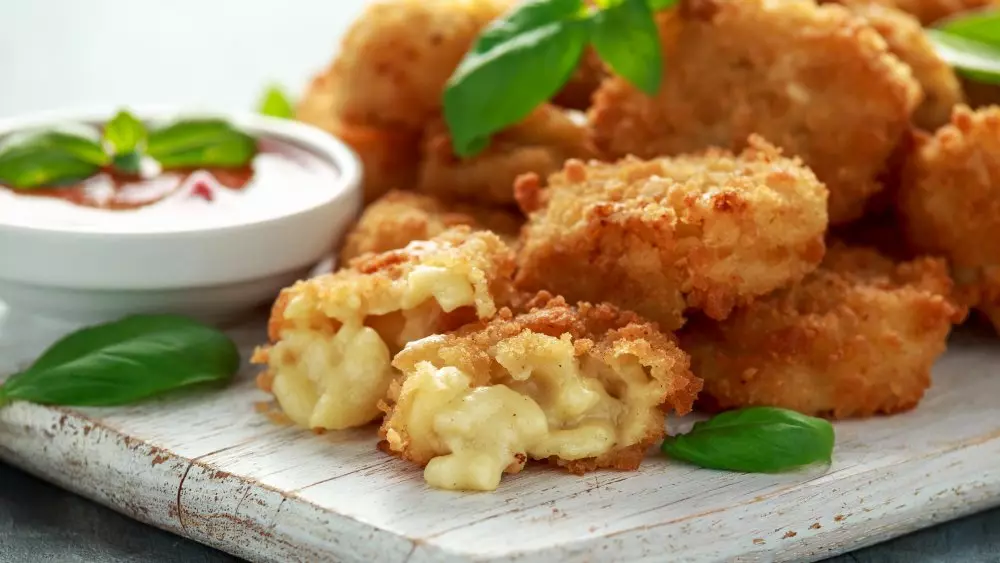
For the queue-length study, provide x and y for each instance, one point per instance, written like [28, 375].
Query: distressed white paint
[209, 467]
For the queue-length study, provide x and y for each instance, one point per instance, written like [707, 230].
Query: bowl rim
[332, 150]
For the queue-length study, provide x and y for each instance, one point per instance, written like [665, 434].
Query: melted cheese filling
[336, 382]
[548, 406]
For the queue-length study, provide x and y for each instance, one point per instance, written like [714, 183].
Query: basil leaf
[657, 5]
[754, 440]
[125, 361]
[48, 160]
[125, 133]
[982, 26]
[276, 104]
[973, 59]
[203, 142]
[626, 38]
[130, 162]
[518, 62]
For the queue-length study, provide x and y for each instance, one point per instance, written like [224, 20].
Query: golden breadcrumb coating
[930, 11]
[582, 387]
[576, 94]
[398, 218]
[390, 156]
[333, 336]
[856, 338]
[541, 143]
[706, 231]
[397, 56]
[815, 80]
[906, 39]
[949, 202]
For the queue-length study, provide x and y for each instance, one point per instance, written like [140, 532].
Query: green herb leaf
[129, 163]
[657, 5]
[973, 59]
[126, 361]
[49, 159]
[518, 62]
[626, 38]
[754, 440]
[204, 142]
[276, 104]
[982, 26]
[125, 133]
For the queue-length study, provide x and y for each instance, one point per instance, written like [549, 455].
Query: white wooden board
[210, 467]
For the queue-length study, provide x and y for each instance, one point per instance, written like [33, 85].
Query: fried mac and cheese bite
[399, 218]
[816, 81]
[333, 336]
[930, 11]
[706, 231]
[949, 202]
[856, 338]
[581, 387]
[541, 143]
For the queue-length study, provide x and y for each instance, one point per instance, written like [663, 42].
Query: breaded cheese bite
[855, 338]
[930, 11]
[333, 336]
[949, 202]
[706, 231]
[816, 81]
[906, 39]
[397, 56]
[541, 143]
[399, 218]
[581, 387]
[389, 156]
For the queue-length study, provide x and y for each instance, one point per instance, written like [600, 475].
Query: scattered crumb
[815, 526]
[838, 518]
[789, 534]
[758, 541]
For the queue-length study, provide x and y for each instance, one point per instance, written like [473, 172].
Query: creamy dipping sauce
[282, 179]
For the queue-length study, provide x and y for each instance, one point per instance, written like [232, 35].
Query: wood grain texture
[209, 467]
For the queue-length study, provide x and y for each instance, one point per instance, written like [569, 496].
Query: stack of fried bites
[796, 219]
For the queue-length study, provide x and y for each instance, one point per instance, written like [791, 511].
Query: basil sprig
[971, 44]
[125, 135]
[522, 59]
[125, 361]
[276, 103]
[49, 159]
[754, 440]
[200, 142]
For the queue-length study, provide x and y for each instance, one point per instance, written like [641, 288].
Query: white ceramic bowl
[89, 276]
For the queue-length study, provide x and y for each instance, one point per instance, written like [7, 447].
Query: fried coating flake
[855, 338]
[706, 231]
[815, 80]
[541, 143]
[582, 387]
[333, 336]
[397, 56]
[398, 218]
[949, 202]
[906, 39]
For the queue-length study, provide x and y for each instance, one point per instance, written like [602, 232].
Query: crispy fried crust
[390, 156]
[950, 201]
[397, 56]
[399, 218]
[906, 39]
[706, 231]
[601, 334]
[855, 338]
[816, 81]
[540, 144]
[930, 11]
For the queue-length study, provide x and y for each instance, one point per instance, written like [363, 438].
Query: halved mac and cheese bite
[581, 387]
[333, 337]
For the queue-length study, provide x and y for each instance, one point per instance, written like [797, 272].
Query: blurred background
[63, 54]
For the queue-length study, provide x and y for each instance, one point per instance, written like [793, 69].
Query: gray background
[214, 54]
